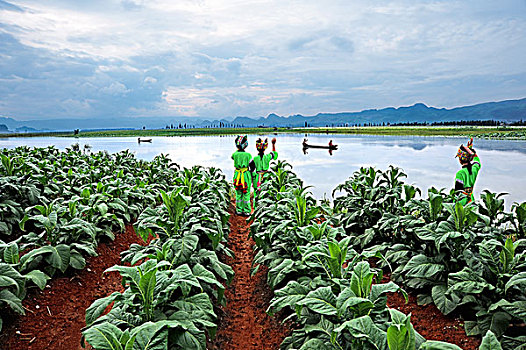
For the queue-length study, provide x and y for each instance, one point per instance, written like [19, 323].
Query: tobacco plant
[459, 257]
[170, 296]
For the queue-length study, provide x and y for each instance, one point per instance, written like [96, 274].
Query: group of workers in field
[250, 172]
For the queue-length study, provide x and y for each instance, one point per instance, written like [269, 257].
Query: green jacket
[263, 163]
[465, 181]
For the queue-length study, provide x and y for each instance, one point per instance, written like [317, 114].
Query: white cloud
[308, 56]
[150, 80]
[115, 88]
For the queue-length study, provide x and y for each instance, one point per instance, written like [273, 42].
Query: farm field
[178, 262]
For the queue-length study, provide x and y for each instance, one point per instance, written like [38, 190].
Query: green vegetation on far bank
[477, 131]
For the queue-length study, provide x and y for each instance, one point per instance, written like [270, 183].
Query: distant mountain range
[507, 111]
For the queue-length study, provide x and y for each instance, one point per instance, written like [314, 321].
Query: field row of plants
[55, 206]
[466, 260]
[176, 281]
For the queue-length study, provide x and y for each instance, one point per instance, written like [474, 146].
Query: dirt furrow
[245, 325]
[55, 316]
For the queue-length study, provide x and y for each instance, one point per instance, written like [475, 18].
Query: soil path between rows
[430, 322]
[55, 316]
[244, 324]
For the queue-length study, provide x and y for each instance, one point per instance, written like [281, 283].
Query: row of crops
[326, 260]
[56, 206]
[175, 281]
[468, 261]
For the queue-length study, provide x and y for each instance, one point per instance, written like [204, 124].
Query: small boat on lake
[144, 140]
[329, 146]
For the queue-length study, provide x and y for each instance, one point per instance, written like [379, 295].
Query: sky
[220, 59]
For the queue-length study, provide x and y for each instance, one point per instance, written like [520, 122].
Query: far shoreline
[501, 132]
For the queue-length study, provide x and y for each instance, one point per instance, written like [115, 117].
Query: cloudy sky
[225, 58]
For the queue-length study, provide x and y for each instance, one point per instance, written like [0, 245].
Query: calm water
[428, 161]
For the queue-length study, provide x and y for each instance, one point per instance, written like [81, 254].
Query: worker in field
[242, 176]
[261, 163]
[466, 177]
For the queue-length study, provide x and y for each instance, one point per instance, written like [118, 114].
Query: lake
[428, 161]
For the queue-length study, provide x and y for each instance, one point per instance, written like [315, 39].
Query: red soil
[244, 324]
[431, 323]
[55, 316]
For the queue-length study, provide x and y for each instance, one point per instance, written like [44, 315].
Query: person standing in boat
[466, 177]
[261, 164]
[330, 144]
[242, 176]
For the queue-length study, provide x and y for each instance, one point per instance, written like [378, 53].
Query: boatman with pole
[261, 163]
[242, 176]
[466, 177]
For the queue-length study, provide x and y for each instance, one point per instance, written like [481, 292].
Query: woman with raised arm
[261, 163]
[466, 177]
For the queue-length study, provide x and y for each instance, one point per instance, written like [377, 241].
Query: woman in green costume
[466, 177]
[242, 176]
[261, 163]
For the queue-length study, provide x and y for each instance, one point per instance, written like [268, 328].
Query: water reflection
[428, 161]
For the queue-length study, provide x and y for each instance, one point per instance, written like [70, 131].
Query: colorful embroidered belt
[239, 181]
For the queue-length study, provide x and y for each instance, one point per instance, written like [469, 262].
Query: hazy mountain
[510, 110]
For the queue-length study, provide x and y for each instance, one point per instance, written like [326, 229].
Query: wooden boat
[306, 145]
[143, 140]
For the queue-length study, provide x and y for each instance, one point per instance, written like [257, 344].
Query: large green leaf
[199, 301]
[361, 279]
[444, 302]
[104, 336]
[468, 281]
[321, 300]
[147, 286]
[150, 336]
[365, 329]
[400, 337]
[438, 345]
[12, 301]
[98, 306]
[422, 266]
[57, 256]
[10, 277]
[184, 278]
[518, 280]
[288, 296]
[379, 289]
[490, 342]
[11, 253]
[185, 246]
[278, 273]
[37, 277]
[202, 274]
[316, 344]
